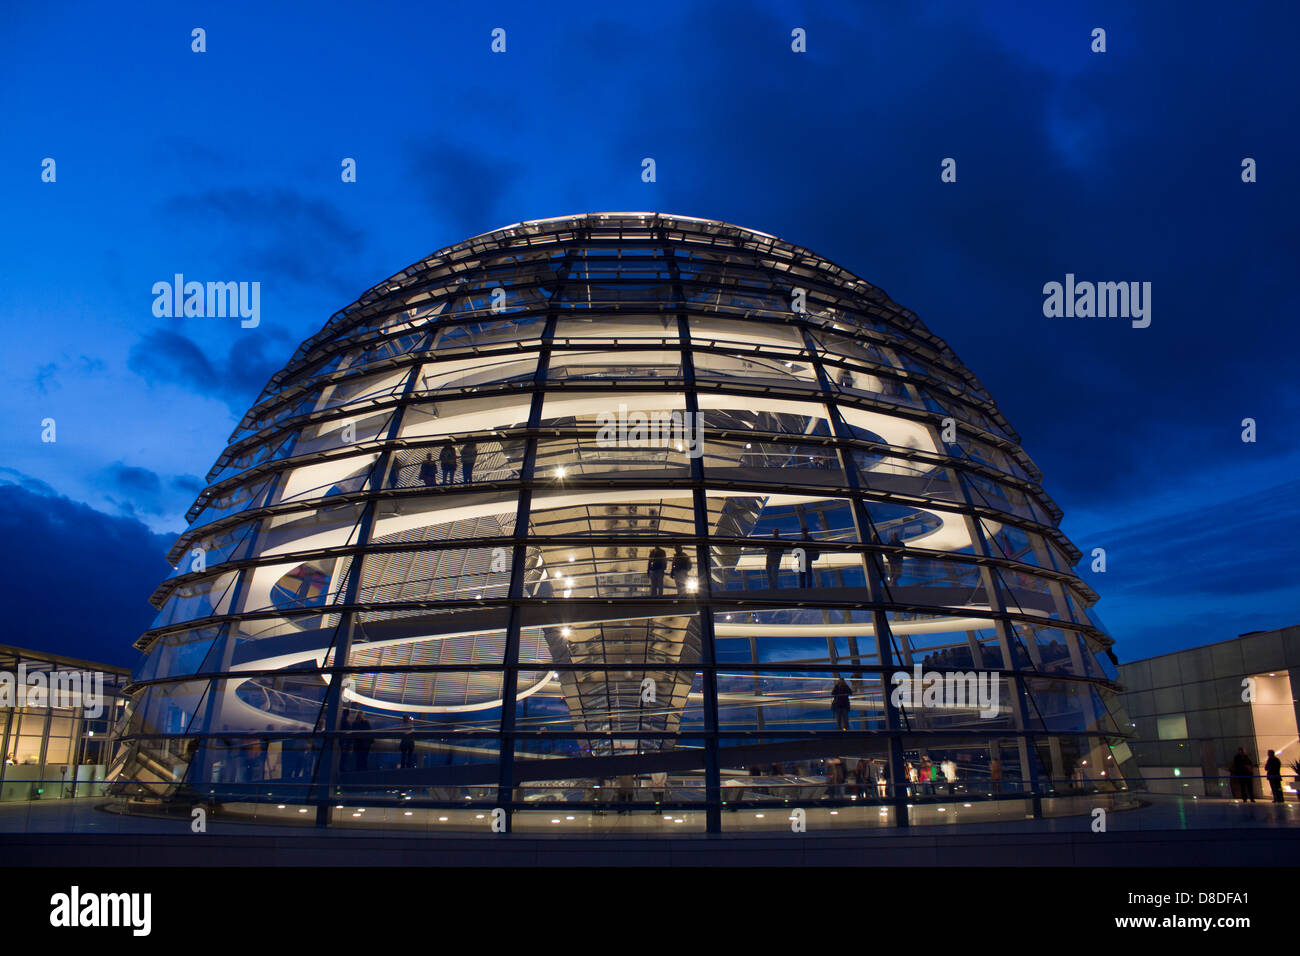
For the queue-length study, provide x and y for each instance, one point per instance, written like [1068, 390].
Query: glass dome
[624, 522]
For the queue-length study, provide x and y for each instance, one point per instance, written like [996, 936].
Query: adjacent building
[1193, 710]
[55, 717]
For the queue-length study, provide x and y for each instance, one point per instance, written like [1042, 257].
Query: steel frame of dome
[330, 570]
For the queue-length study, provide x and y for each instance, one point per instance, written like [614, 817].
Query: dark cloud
[190, 153]
[189, 484]
[277, 233]
[1243, 547]
[140, 489]
[163, 356]
[33, 486]
[1203, 574]
[45, 376]
[136, 491]
[134, 480]
[465, 188]
[76, 581]
[237, 377]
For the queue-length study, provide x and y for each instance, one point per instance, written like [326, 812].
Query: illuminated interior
[444, 515]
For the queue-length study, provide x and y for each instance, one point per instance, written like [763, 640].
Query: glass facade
[56, 714]
[624, 521]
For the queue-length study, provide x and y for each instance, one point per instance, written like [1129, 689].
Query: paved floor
[1157, 814]
[1165, 831]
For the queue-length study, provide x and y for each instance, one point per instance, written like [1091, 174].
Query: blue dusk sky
[225, 165]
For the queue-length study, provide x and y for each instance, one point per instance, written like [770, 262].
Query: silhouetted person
[862, 777]
[273, 761]
[447, 459]
[894, 562]
[468, 455]
[949, 768]
[806, 579]
[428, 470]
[294, 755]
[1243, 769]
[1273, 770]
[659, 785]
[681, 569]
[835, 777]
[840, 703]
[254, 750]
[345, 742]
[658, 565]
[928, 770]
[408, 742]
[774, 552]
[362, 745]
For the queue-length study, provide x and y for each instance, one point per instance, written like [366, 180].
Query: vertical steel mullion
[11, 731]
[328, 758]
[1007, 640]
[990, 577]
[519, 558]
[45, 735]
[876, 590]
[703, 563]
[212, 706]
[11, 713]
